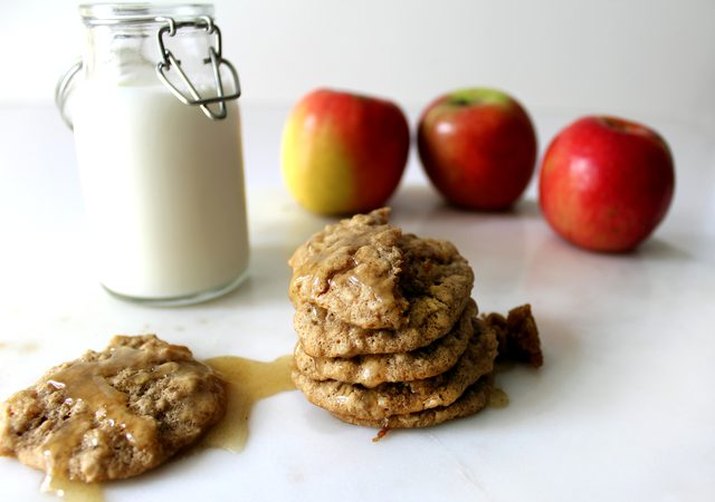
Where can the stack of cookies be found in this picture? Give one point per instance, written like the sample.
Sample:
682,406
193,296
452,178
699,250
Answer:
388,334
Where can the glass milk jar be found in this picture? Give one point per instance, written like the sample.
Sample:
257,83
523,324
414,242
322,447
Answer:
158,142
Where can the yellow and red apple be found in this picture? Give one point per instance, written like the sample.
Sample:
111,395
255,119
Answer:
478,147
343,153
606,183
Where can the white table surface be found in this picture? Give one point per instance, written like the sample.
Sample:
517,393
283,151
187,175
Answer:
623,409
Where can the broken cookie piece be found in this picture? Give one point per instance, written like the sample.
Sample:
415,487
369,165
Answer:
113,414
518,336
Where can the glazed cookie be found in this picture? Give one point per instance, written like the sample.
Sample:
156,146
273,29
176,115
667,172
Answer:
390,399
473,400
372,370
436,281
351,268
113,414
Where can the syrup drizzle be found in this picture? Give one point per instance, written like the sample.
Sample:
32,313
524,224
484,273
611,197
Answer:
72,491
248,382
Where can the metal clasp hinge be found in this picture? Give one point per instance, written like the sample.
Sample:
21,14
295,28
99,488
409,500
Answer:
215,58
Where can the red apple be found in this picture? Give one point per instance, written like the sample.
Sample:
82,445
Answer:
478,147
606,183
343,153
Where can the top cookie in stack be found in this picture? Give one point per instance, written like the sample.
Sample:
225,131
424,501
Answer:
388,334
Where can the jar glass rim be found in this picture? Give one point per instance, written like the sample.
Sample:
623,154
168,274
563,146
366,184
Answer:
140,12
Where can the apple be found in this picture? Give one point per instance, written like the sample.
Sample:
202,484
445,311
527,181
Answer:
606,183
478,147
343,153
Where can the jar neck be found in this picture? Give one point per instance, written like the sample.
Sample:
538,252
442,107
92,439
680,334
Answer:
125,14
177,46
121,39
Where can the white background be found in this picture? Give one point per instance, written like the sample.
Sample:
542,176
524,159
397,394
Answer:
622,409
644,59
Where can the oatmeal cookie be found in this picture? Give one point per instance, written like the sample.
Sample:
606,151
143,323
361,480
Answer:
404,397
113,414
473,400
372,370
435,280
351,268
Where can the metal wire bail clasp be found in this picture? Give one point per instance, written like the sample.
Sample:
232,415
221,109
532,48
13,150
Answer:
215,58
62,90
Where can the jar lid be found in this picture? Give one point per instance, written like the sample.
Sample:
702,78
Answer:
94,14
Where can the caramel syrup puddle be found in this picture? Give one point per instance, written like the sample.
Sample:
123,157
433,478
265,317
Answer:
498,398
72,491
247,382
22,348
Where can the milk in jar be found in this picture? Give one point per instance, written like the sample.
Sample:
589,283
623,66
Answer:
162,181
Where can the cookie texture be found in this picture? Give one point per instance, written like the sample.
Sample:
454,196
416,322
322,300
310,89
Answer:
113,414
435,280
404,397
374,369
351,268
473,400
518,335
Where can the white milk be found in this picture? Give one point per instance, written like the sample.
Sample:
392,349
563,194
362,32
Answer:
164,191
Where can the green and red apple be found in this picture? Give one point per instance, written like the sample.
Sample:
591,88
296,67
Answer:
478,147
606,183
343,153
